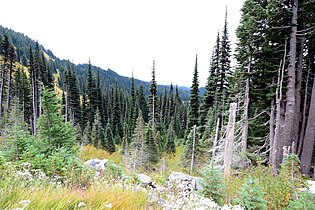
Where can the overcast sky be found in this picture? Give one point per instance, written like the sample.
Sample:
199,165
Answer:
127,35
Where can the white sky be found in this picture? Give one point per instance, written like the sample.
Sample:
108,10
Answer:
126,35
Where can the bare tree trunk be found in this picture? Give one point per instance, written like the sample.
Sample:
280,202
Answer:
193,151
34,101
215,138
3,73
8,94
297,117
66,106
287,132
245,115
271,129
276,142
304,118
228,152
309,139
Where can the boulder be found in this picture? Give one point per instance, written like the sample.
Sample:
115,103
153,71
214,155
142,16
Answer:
96,164
311,188
145,180
183,181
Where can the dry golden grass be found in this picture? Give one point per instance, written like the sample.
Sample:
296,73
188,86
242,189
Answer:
89,152
69,198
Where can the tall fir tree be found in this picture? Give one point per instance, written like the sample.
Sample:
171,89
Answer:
153,102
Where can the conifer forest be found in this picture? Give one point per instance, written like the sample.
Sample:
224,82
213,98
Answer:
245,140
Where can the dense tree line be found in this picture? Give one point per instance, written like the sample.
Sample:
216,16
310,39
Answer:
272,84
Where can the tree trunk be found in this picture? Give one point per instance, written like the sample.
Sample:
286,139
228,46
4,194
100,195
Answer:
228,152
297,117
304,118
34,103
308,143
287,132
275,148
3,74
271,129
7,107
245,115
216,137
193,151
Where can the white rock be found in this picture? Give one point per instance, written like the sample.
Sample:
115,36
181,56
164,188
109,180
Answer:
183,181
144,179
311,188
96,164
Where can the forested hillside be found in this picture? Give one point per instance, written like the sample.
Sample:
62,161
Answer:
253,125
108,78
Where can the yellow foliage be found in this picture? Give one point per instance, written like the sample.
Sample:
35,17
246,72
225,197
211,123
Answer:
95,197
89,152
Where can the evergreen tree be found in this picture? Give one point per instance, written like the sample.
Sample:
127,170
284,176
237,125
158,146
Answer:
116,120
138,146
170,143
91,96
143,105
18,137
194,99
152,147
209,98
224,71
97,131
110,141
23,93
153,102
51,126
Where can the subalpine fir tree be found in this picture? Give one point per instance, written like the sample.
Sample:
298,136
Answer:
152,147
143,105
97,130
209,98
51,126
17,136
116,117
194,99
138,146
91,95
132,106
224,71
153,102
23,93
109,138
170,142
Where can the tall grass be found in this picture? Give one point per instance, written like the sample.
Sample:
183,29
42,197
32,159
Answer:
50,197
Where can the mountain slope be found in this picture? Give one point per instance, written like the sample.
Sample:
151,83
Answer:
108,78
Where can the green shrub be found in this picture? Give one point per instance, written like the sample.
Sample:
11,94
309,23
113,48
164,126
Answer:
251,195
303,201
213,184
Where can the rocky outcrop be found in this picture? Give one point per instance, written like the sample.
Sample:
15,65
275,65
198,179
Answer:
96,164
183,181
145,180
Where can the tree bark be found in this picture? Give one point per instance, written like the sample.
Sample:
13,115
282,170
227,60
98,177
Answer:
304,118
193,151
7,106
3,74
275,148
246,107
271,129
229,141
309,139
215,138
287,132
297,117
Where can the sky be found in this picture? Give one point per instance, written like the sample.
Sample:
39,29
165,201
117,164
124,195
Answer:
127,35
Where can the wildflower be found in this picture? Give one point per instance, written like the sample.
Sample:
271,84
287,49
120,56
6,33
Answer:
108,205
81,204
